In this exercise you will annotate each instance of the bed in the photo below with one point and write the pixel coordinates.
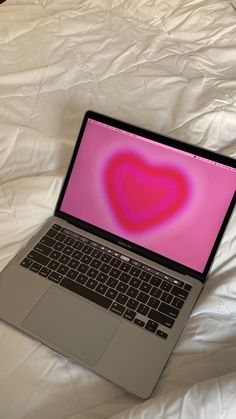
(168, 66)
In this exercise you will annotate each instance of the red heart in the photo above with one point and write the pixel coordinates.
(142, 195)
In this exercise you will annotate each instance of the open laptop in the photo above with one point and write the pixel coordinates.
(111, 279)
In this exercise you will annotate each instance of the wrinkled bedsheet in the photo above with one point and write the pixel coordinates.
(169, 66)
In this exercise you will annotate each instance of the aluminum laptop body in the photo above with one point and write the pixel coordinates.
(111, 279)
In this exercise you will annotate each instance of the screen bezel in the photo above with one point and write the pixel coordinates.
(198, 151)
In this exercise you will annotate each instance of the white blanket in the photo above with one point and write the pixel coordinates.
(169, 66)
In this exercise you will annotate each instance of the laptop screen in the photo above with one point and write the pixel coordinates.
(164, 199)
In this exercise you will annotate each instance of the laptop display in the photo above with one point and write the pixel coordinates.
(167, 200)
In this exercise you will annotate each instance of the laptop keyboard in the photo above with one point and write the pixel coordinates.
(140, 294)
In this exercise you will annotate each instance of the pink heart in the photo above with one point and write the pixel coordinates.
(142, 195)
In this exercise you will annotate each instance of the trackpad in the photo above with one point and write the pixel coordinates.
(72, 324)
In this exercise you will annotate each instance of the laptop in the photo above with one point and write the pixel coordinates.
(111, 279)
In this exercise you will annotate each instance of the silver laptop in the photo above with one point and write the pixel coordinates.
(111, 279)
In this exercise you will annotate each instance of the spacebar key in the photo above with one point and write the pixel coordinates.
(86, 293)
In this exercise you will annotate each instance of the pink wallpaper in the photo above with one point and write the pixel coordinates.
(165, 200)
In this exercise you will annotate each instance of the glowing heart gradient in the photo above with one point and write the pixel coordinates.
(142, 195)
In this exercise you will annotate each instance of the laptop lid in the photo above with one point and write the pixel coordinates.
(162, 198)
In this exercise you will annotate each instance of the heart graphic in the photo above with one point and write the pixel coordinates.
(141, 195)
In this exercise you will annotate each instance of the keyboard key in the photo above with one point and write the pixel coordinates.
(145, 276)
(139, 322)
(56, 227)
(125, 267)
(155, 281)
(92, 273)
(153, 302)
(142, 297)
(77, 245)
(122, 287)
(91, 283)
(161, 334)
(115, 273)
(165, 286)
(101, 288)
(87, 249)
(179, 292)
(87, 293)
(161, 318)
(44, 272)
(111, 293)
(155, 292)
(55, 277)
(115, 262)
(106, 258)
(122, 299)
(62, 269)
(35, 267)
(142, 309)
(59, 246)
(26, 263)
(41, 248)
(105, 268)
(125, 277)
(102, 277)
(135, 271)
(69, 241)
(64, 259)
(96, 263)
(83, 268)
(145, 287)
(151, 326)
(112, 282)
(53, 265)
(132, 292)
(166, 297)
(129, 314)
(96, 253)
(51, 233)
(60, 237)
(55, 254)
(72, 274)
(132, 304)
(169, 310)
(48, 241)
(73, 263)
(117, 308)
(188, 287)
(177, 302)
(38, 257)
(68, 250)
(134, 282)
(81, 278)
(77, 255)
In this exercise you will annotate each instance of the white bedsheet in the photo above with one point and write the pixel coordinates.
(169, 66)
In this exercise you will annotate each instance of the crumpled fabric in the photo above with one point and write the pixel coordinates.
(166, 66)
